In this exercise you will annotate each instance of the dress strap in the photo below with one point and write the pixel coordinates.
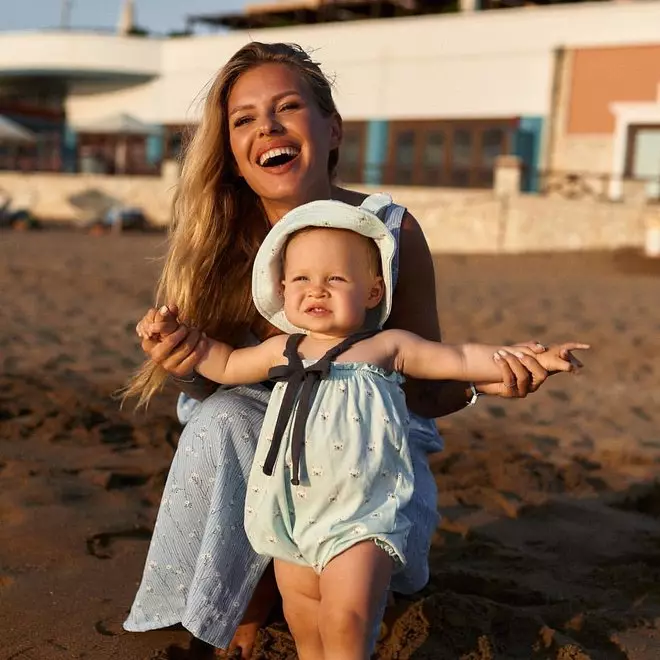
(291, 349)
(304, 380)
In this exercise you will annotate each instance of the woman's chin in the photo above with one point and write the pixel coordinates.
(292, 188)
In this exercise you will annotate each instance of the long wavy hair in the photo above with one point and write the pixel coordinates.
(218, 222)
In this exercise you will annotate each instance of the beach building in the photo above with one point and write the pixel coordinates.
(429, 96)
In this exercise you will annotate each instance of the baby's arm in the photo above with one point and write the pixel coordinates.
(224, 364)
(419, 358)
(240, 366)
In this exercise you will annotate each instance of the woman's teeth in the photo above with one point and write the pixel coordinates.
(278, 156)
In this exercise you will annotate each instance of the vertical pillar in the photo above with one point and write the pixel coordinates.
(154, 149)
(527, 146)
(469, 5)
(69, 150)
(375, 158)
(507, 176)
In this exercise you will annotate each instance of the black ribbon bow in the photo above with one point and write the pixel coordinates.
(304, 380)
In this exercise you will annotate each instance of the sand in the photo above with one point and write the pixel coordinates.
(550, 542)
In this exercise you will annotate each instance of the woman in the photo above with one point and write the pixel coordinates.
(268, 141)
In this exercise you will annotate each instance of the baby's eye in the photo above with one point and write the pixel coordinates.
(299, 278)
(337, 278)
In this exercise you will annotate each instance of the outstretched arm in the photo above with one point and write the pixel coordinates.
(419, 358)
(414, 309)
(221, 362)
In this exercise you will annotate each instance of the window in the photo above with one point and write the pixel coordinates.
(643, 157)
(461, 158)
(176, 138)
(434, 156)
(457, 153)
(350, 168)
(404, 157)
(493, 144)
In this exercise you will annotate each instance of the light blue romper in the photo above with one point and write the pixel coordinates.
(352, 476)
(201, 570)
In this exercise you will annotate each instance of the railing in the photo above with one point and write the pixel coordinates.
(596, 186)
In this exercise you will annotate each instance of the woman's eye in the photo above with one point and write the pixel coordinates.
(241, 121)
(289, 105)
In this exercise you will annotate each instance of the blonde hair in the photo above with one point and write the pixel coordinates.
(218, 221)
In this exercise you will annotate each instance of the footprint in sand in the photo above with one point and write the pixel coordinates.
(101, 545)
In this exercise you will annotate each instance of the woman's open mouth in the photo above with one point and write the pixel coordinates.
(278, 157)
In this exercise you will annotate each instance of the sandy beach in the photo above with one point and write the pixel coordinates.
(550, 542)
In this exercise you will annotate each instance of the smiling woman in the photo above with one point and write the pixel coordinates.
(281, 143)
(268, 142)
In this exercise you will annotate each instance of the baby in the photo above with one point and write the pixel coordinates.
(332, 471)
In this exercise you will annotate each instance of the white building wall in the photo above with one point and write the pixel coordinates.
(79, 53)
(481, 64)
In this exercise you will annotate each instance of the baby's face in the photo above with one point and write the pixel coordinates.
(330, 281)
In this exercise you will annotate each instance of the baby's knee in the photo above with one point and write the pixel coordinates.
(342, 623)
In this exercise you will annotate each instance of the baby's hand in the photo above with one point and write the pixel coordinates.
(559, 357)
(165, 323)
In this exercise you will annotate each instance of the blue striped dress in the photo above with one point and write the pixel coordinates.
(200, 569)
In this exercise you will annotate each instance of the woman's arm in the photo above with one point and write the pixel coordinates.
(414, 309)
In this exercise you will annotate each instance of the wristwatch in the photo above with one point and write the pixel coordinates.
(475, 395)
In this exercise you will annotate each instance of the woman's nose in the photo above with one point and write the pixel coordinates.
(269, 126)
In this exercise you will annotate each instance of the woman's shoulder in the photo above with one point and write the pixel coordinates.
(353, 197)
(356, 198)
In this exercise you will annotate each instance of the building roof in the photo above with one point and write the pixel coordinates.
(282, 13)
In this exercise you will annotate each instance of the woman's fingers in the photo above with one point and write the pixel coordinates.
(530, 374)
(142, 327)
(187, 365)
(165, 313)
(537, 375)
(508, 377)
(521, 375)
(170, 346)
(180, 362)
(162, 328)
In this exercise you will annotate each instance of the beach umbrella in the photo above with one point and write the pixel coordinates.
(10, 131)
(122, 126)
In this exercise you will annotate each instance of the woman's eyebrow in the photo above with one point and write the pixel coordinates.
(275, 99)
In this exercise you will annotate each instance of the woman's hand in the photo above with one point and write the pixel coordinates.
(179, 352)
(522, 373)
(520, 376)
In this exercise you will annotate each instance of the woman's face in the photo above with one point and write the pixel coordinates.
(279, 138)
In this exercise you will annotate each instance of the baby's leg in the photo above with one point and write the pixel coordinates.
(299, 587)
(352, 587)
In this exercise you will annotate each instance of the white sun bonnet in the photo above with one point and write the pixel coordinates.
(267, 271)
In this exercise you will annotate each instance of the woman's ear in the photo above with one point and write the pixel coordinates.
(336, 131)
(376, 293)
